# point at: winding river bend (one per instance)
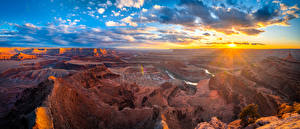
(186, 81)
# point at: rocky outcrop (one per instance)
(92, 100)
(214, 123)
(29, 99)
(290, 57)
(22, 56)
(291, 121)
(18, 56)
(5, 56)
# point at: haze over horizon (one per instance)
(151, 24)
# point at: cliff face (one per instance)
(279, 75)
(84, 98)
(26, 102)
(267, 84)
(93, 99)
(18, 56)
(241, 92)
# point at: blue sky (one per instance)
(148, 23)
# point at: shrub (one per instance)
(296, 107)
(285, 108)
(249, 114)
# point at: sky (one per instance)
(150, 24)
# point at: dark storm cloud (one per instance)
(266, 13)
(206, 34)
(170, 16)
(195, 13)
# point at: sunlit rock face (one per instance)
(214, 123)
(5, 56)
(22, 56)
(64, 50)
(18, 114)
(43, 119)
(292, 121)
(99, 52)
(14, 53)
(96, 54)
(12, 50)
(103, 51)
(18, 56)
(39, 51)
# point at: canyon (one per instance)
(124, 89)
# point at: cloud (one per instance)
(105, 5)
(60, 41)
(169, 16)
(65, 35)
(223, 17)
(144, 10)
(266, 13)
(157, 7)
(112, 23)
(116, 13)
(129, 21)
(236, 43)
(129, 3)
(101, 10)
(206, 34)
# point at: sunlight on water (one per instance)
(207, 72)
(186, 82)
(43, 120)
(190, 83)
(170, 75)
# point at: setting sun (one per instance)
(231, 45)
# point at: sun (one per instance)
(231, 45)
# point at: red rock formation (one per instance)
(267, 84)
(93, 99)
(64, 50)
(19, 56)
(22, 56)
(5, 56)
(39, 51)
(292, 121)
(214, 123)
(103, 51)
(96, 54)
(6, 53)
(290, 57)
(27, 101)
